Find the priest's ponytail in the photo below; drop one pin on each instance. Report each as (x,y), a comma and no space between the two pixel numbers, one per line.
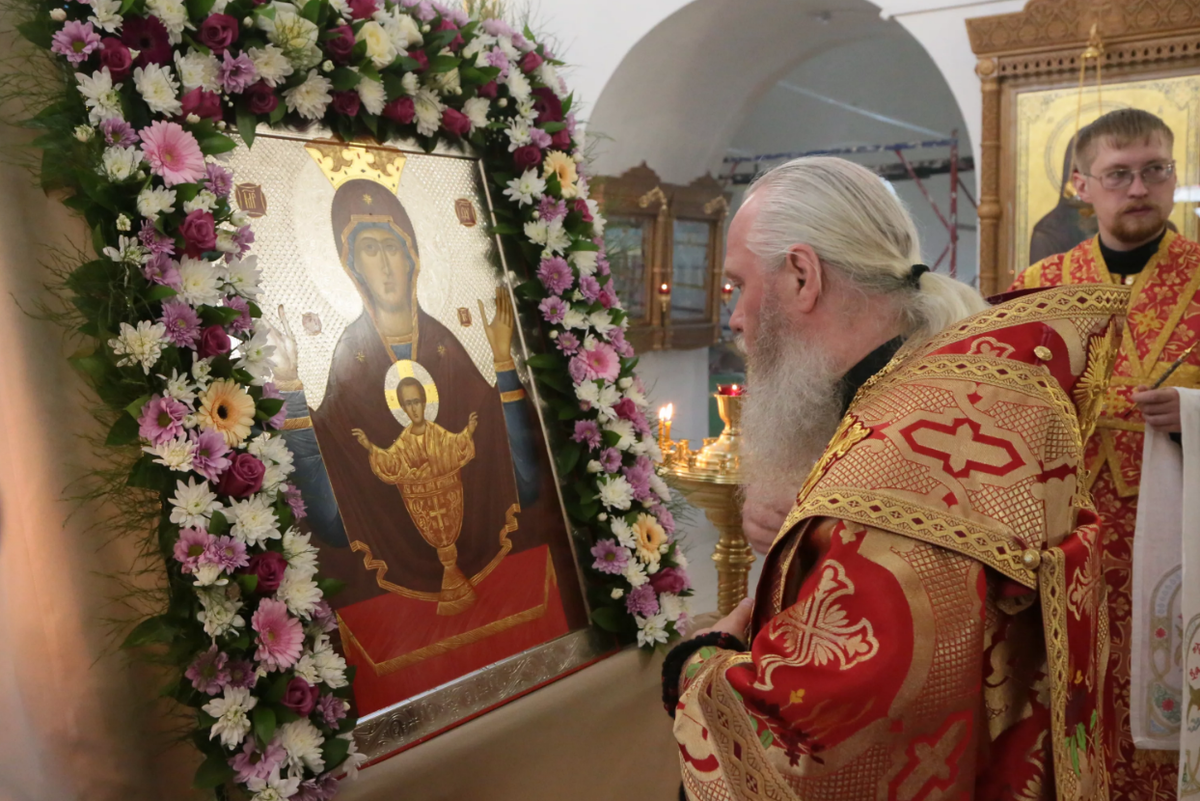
(862,232)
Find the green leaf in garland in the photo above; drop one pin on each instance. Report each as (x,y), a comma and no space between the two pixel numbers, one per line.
(270,406)
(161,292)
(216,143)
(443,63)
(335,750)
(344,78)
(278,114)
(94,367)
(263,718)
(123,432)
(246,123)
(609,618)
(568,457)
(247,581)
(544,361)
(199,9)
(330,586)
(213,772)
(38,31)
(285,715)
(312,11)
(145,474)
(393,84)
(150,631)
(554,127)
(217,524)
(278,689)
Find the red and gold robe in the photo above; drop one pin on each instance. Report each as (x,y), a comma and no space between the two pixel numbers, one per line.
(930,623)
(1162,322)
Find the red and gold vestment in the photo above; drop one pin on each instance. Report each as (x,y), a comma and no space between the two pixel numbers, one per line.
(930,623)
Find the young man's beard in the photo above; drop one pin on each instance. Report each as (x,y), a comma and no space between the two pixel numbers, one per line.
(792,407)
(1133,230)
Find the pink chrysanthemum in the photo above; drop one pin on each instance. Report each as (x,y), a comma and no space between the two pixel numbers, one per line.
(250,763)
(602,362)
(191,545)
(270,391)
(553,308)
(568,343)
(220,180)
(589,287)
(172,153)
(182,322)
(243,323)
(76,41)
(555,275)
(210,458)
(208,674)
(228,553)
(279,635)
(161,419)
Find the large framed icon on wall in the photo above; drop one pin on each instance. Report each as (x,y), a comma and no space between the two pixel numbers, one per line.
(418,440)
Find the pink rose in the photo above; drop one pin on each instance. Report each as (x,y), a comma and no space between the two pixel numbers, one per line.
(115,55)
(402,110)
(243,478)
(581,207)
(457,41)
(260,98)
(300,697)
(527,157)
(547,105)
(625,409)
(456,122)
(199,232)
(213,342)
(363,9)
(670,579)
(269,567)
(347,103)
(341,46)
(218,32)
(561,140)
(531,61)
(421,59)
(489,89)
(206,105)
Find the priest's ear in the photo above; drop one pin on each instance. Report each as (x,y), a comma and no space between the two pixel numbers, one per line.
(802,279)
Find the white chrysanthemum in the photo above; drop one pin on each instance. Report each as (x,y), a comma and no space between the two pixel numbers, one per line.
(526,189)
(302,743)
(276,787)
(557,238)
(448,82)
(231,711)
(354,758)
(153,201)
(120,163)
(380,47)
(518,134)
(635,573)
(518,84)
(624,533)
(142,345)
(410,83)
(585,261)
(193,504)
(220,612)
(479,43)
(203,201)
(179,387)
(299,592)
(256,356)
(311,98)
(598,221)
(200,283)
(660,488)
(587,392)
(175,454)
(681,559)
(294,35)
(615,493)
(299,552)
(330,666)
(173,15)
(254,521)
(601,320)
(342,9)
(673,607)
(537,231)
(270,62)
(106,14)
(209,575)
(202,373)
(271,448)
(609,395)
(429,111)
(225,242)
(306,668)
(637,396)
(476,110)
(197,71)
(243,275)
(548,74)
(158,88)
(103,100)
(505,44)
(652,630)
(129,250)
(373,96)
(574,318)
(625,430)
(402,29)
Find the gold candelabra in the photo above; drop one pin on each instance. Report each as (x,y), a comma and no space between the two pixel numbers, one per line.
(710,478)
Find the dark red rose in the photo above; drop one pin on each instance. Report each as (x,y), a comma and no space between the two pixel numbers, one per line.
(218,32)
(489,89)
(244,476)
(547,105)
(669,579)
(561,140)
(363,9)
(260,98)
(346,103)
(527,156)
(206,105)
(456,122)
(149,37)
(581,206)
(340,47)
(421,59)
(457,41)
(402,110)
(625,409)
(531,61)
(199,232)
(269,567)
(115,55)
(300,697)
(213,342)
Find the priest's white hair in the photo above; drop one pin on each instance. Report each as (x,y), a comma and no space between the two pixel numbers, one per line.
(859,230)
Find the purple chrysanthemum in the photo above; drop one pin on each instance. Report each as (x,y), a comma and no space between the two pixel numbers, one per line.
(76,41)
(578,369)
(638,475)
(540,138)
(295,502)
(210,458)
(611,557)
(241,674)
(323,616)
(588,432)
(161,419)
(280,417)
(182,322)
(208,673)
(118,133)
(610,460)
(550,210)
(155,241)
(331,709)
(228,553)
(617,338)
(642,601)
(589,287)
(243,323)
(553,309)
(236,74)
(568,343)
(322,788)
(219,179)
(665,518)
(250,763)
(496,58)
(243,238)
(190,547)
(555,275)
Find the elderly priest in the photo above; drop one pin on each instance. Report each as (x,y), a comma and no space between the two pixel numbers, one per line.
(931,620)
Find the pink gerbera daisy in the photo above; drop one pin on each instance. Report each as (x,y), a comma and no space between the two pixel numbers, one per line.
(76,41)
(172,153)
(279,635)
(602,362)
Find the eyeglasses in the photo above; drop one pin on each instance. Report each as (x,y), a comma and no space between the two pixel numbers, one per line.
(1151,175)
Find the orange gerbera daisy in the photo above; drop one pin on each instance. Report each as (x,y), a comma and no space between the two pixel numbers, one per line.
(563,165)
(225,407)
(650,537)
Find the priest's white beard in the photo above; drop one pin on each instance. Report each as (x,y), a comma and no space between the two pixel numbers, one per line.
(792,406)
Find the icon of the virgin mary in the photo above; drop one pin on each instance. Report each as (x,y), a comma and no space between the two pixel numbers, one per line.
(348,503)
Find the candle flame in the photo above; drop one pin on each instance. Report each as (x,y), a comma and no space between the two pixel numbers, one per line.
(664,288)
(735,387)
(666,412)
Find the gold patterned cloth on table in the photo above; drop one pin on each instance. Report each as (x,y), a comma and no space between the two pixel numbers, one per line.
(931,620)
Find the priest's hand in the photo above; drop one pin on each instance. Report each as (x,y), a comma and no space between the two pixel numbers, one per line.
(763,513)
(1159,407)
(500,330)
(736,622)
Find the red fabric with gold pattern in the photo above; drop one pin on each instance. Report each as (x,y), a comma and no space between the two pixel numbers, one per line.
(1163,320)
(900,650)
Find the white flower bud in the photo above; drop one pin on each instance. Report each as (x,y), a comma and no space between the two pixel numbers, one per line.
(248,22)
(502,102)
(425,28)
(554,335)
(537,215)
(123,223)
(134,53)
(602,516)
(625,383)
(58,15)
(618,594)
(594,467)
(84,133)
(192,119)
(221,124)
(327,66)
(578,157)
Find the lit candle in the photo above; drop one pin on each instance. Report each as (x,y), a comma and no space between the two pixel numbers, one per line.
(726,292)
(664,289)
(664,427)
(730,389)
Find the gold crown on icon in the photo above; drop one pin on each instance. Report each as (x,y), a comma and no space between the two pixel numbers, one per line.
(342,162)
